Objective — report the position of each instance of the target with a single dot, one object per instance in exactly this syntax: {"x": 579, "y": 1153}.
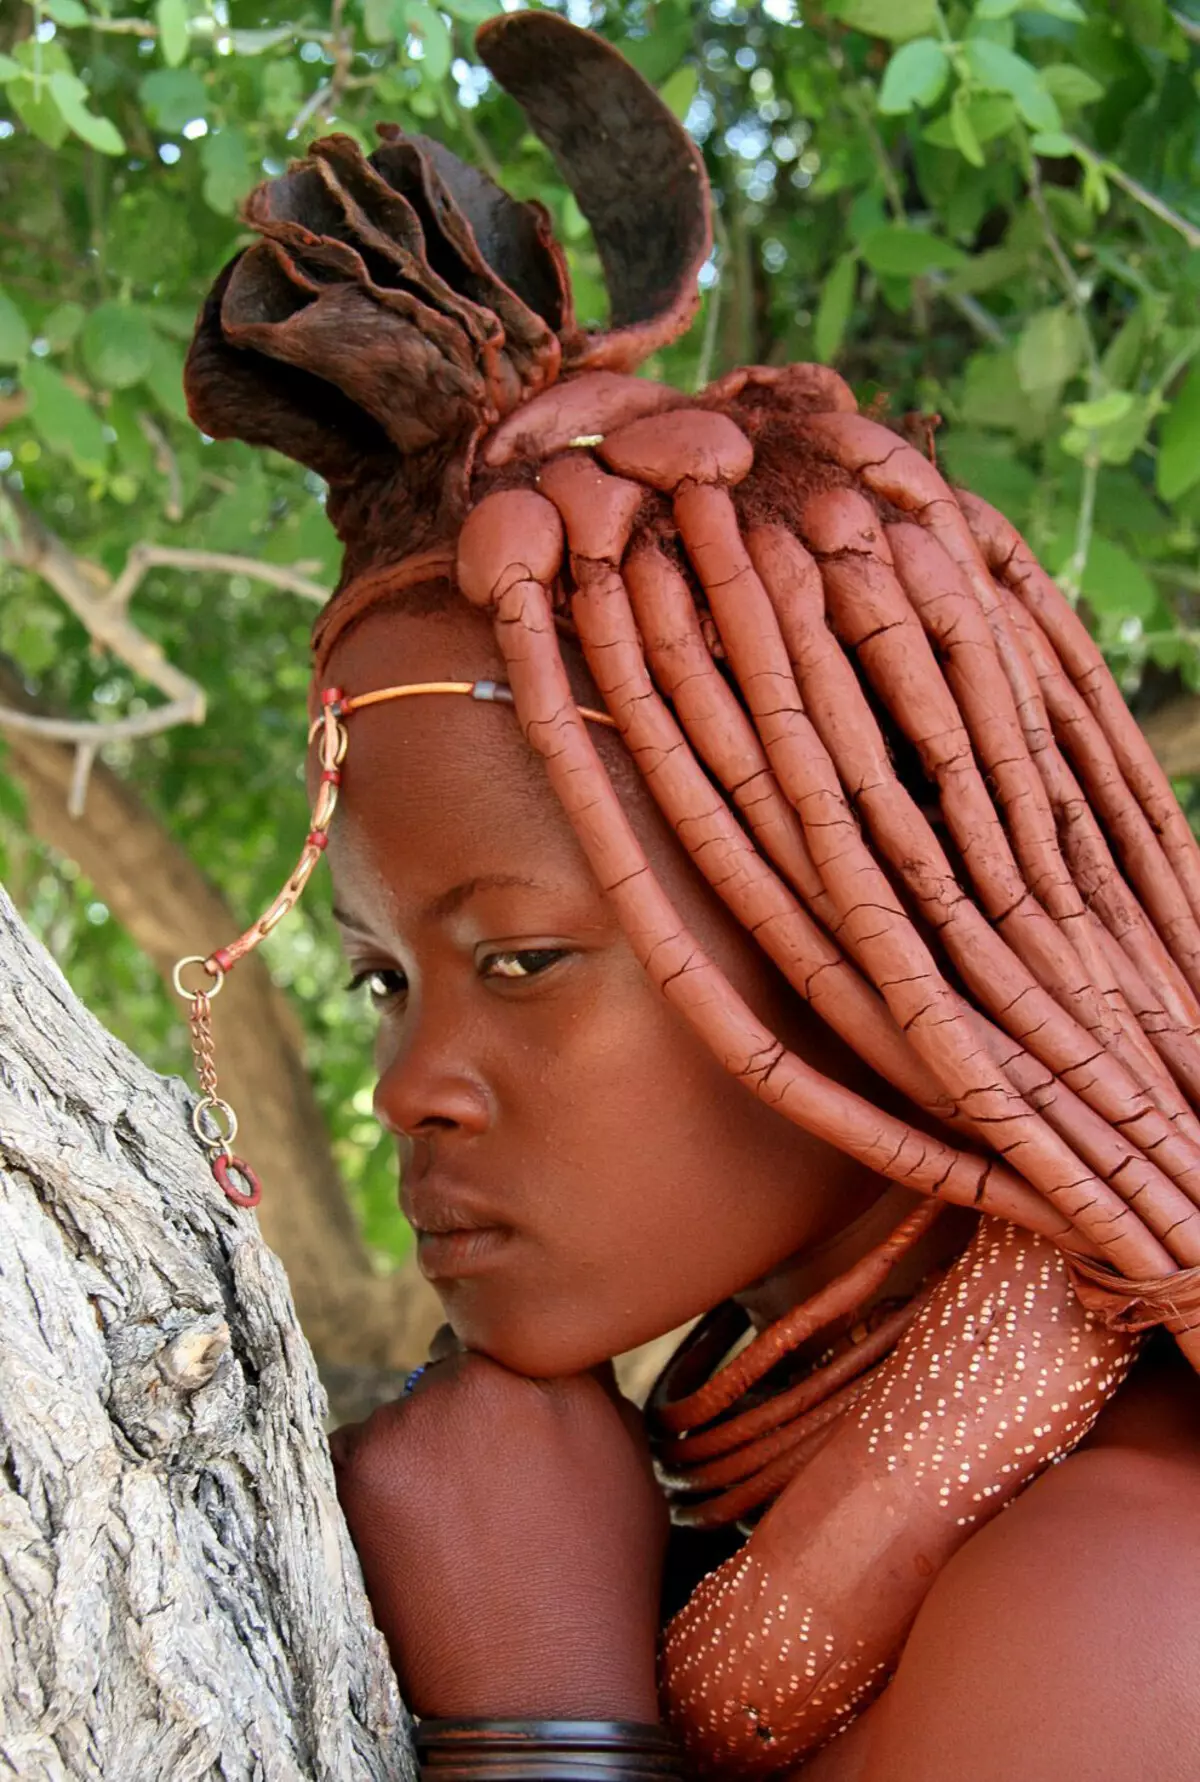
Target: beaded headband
{"x": 213, "y": 1120}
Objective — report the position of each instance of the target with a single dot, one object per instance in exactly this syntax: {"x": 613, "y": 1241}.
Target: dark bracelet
{"x": 546, "y": 1751}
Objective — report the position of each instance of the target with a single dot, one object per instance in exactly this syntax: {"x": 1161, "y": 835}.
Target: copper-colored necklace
{"x": 881, "y": 1463}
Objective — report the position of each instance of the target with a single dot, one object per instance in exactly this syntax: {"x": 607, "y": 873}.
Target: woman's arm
{"x": 512, "y": 1541}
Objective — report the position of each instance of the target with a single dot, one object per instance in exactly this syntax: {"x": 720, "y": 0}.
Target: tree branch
{"x": 101, "y": 606}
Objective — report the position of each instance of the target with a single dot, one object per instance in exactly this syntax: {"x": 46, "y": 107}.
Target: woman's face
{"x": 582, "y": 1173}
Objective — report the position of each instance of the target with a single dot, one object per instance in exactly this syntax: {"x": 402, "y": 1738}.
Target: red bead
{"x": 332, "y": 775}
{"x": 331, "y": 696}
{"x": 224, "y": 1168}
{"x": 221, "y": 958}
{"x": 317, "y": 838}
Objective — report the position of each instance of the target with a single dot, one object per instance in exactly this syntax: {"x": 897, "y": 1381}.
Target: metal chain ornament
{"x": 213, "y": 1119}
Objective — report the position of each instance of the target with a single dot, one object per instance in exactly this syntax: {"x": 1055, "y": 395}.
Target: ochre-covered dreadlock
{"x": 781, "y": 602}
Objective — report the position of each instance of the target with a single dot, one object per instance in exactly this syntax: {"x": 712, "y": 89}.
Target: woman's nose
{"x": 427, "y": 1087}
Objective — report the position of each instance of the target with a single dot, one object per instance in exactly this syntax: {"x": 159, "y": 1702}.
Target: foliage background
{"x": 986, "y": 211}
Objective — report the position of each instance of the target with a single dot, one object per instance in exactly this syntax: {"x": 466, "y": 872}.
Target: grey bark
{"x": 352, "y": 1316}
{"x": 179, "y": 1599}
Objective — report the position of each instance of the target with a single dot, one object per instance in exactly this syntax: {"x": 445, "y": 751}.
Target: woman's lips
{"x": 448, "y": 1255}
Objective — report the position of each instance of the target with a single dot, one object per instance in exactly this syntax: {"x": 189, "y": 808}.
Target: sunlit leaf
{"x": 172, "y": 96}
{"x": 431, "y": 28}
{"x": 70, "y": 95}
{"x": 64, "y": 421}
{"x": 916, "y": 75}
{"x": 172, "y": 20}
{"x": 834, "y": 309}
{"x": 1050, "y": 350}
{"x": 228, "y": 174}
{"x": 66, "y": 12}
{"x": 900, "y": 251}
{"x": 680, "y": 88}
{"x": 116, "y": 344}
{"x": 896, "y": 20}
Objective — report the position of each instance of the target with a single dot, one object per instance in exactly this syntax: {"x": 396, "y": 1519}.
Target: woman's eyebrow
{"x": 447, "y": 903}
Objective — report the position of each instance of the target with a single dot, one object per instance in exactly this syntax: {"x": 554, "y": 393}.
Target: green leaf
{"x": 164, "y": 379}
{"x": 1102, "y": 411}
{"x": 916, "y": 75}
{"x": 963, "y": 131}
{"x": 900, "y": 251}
{"x": 988, "y": 115}
{"x": 70, "y": 95}
{"x": 1178, "y": 467}
{"x": 228, "y": 175}
{"x": 64, "y": 422}
{"x": 62, "y": 325}
{"x": 117, "y": 344}
{"x": 1053, "y": 144}
{"x": 985, "y": 271}
{"x": 998, "y": 70}
{"x": 1070, "y": 86}
{"x": 253, "y": 43}
{"x": 427, "y": 24}
{"x": 172, "y": 19}
{"x": 14, "y": 332}
{"x": 680, "y": 88}
{"x": 10, "y": 70}
{"x": 36, "y": 109}
{"x": 383, "y": 20}
{"x": 472, "y": 12}
{"x": 996, "y": 9}
{"x": 1049, "y": 351}
{"x": 834, "y": 309}
{"x": 1070, "y": 10}
{"x": 66, "y": 12}
{"x": 1123, "y": 354}
{"x": 897, "y": 20}
{"x": 1112, "y": 581}
{"x": 173, "y": 96}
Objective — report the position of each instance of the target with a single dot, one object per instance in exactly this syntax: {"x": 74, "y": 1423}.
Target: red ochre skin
{"x": 576, "y": 1110}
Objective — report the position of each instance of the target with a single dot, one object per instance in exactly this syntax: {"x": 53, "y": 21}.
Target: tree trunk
{"x": 180, "y": 1596}
{"x": 352, "y": 1317}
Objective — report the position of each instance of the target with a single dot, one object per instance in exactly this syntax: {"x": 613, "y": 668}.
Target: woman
{"x": 817, "y": 949}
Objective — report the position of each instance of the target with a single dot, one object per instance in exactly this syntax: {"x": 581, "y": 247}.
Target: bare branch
{"x": 101, "y": 606}
{"x": 95, "y": 733}
{"x": 85, "y": 760}
{"x": 167, "y": 463}
{"x": 144, "y": 557}
{"x": 36, "y": 548}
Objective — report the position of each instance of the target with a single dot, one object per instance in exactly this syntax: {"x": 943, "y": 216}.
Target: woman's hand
{"x": 512, "y": 1539}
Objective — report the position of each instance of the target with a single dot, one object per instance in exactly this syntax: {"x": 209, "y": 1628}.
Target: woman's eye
{"x": 382, "y": 985}
{"x": 526, "y": 963}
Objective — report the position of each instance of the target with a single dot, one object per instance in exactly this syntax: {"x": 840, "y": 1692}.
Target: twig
{"x": 101, "y": 606}
{"x": 144, "y": 557}
{"x": 969, "y": 308}
{"x": 1139, "y": 193}
{"x": 314, "y": 103}
{"x": 90, "y": 735}
{"x": 33, "y": 546}
{"x": 167, "y": 463}
{"x": 85, "y": 760}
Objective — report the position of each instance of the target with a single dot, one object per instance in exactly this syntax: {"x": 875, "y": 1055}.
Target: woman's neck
{"x": 799, "y": 1276}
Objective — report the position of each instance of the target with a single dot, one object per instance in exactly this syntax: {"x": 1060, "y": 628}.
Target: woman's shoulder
{"x": 1065, "y": 1637}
